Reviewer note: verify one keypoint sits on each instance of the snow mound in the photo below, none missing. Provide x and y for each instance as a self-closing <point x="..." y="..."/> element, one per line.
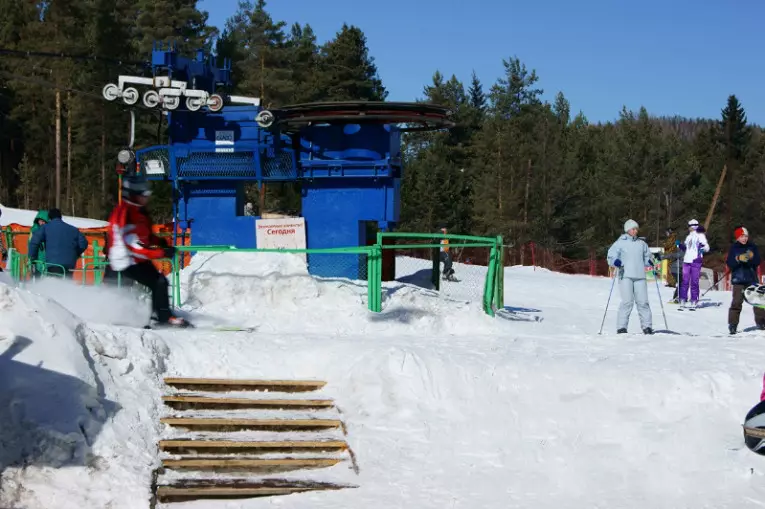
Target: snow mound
<point x="25" y="217"/>
<point x="76" y="407"/>
<point x="276" y="293"/>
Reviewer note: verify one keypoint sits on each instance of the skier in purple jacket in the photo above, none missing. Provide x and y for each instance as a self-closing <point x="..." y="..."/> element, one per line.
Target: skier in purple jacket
<point x="694" y="247"/>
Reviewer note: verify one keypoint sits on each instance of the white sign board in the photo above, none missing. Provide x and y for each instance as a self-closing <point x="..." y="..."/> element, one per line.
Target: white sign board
<point x="283" y="233"/>
<point x="224" y="141"/>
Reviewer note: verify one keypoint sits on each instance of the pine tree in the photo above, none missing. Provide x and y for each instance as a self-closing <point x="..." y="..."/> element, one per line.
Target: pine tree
<point x="260" y="54"/>
<point x="304" y="64"/>
<point x="348" y="72"/>
<point x="735" y="136"/>
<point x="177" y="21"/>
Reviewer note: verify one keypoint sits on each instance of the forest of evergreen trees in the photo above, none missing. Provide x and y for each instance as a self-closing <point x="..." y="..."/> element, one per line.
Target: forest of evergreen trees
<point x="514" y="165"/>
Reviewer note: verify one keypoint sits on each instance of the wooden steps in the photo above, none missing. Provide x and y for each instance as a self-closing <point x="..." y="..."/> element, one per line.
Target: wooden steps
<point x="253" y="458"/>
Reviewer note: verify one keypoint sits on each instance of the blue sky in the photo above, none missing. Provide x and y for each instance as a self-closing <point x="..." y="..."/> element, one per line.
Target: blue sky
<point x="672" y="57"/>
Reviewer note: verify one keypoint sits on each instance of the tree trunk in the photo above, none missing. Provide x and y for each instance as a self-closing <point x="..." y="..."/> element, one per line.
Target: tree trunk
<point x="499" y="171"/>
<point x="262" y="77"/>
<point x="103" y="161"/>
<point x="69" y="194"/>
<point x="58" y="149"/>
<point x="526" y="198"/>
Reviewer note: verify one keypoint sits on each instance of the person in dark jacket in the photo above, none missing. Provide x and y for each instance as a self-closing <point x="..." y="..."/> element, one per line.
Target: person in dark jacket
<point x="64" y="244"/>
<point x="743" y="260"/>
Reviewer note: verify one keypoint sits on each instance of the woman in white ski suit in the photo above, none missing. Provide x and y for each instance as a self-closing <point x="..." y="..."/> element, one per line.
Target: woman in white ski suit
<point x="630" y="255"/>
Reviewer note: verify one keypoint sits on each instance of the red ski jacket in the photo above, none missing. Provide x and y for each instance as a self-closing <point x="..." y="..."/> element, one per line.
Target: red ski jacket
<point x="130" y="239"/>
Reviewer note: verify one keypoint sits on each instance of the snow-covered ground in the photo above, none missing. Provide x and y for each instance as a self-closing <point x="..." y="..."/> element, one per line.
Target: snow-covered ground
<point x="444" y="406"/>
<point x="25" y="217"/>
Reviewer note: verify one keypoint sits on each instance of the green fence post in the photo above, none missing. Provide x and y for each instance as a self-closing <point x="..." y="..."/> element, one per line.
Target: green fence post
<point x="13" y="264"/>
<point x="176" y="279"/>
<point x="499" y="285"/>
<point x="374" y="278"/>
<point x="488" y="289"/>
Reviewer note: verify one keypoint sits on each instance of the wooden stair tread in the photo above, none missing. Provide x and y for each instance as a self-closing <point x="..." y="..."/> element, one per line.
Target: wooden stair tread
<point x="244" y="402"/>
<point x="211" y="461"/>
<point x="277" y="424"/>
<point x="232" y="444"/>
<point x="212" y="491"/>
<point x="244" y="384"/>
<point x="221" y="488"/>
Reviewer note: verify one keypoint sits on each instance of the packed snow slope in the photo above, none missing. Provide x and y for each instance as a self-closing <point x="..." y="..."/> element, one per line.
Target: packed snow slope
<point x="444" y="406"/>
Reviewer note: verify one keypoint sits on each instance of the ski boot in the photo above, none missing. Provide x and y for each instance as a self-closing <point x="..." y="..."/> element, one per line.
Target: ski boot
<point x="731" y="328"/>
<point x="647" y="330"/>
<point x="172" y="322"/>
<point x="621" y="331"/>
<point x="176" y="321"/>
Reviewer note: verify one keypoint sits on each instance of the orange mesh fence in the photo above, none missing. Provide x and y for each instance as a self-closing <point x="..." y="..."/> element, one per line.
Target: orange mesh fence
<point x="528" y="254"/>
<point x="96" y="237"/>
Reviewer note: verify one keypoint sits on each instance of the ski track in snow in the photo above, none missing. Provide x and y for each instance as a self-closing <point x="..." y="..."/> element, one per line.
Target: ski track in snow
<point x="444" y="406"/>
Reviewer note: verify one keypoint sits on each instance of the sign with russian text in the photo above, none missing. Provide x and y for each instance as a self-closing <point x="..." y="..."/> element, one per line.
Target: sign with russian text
<point x="282" y="233"/>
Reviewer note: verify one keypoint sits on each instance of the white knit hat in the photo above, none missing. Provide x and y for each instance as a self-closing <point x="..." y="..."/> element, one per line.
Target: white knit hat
<point x="630" y="224"/>
<point x="693" y="223"/>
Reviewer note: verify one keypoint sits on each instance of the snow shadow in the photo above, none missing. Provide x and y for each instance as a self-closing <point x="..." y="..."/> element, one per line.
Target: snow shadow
<point x="401" y="314"/>
<point x="421" y="278"/>
<point x="47" y="418"/>
<point x="519" y="314"/>
<point x="513" y="309"/>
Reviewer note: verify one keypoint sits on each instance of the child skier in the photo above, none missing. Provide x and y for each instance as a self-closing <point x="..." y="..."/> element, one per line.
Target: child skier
<point x="132" y="246"/>
<point x="694" y="247"/>
<point x="743" y="260"/>
<point x="631" y="256"/>
<point x="446" y="258"/>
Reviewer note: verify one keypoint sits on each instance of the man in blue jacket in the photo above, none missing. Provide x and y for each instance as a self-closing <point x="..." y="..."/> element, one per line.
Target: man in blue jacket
<point x="64" y="244"/>
<point x="743" y="260"/>
<point x="630" y="255"/>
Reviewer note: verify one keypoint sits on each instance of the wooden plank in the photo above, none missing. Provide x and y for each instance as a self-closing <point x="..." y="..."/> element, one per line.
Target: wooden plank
<point x="272" y="424"/>
<point x="230" y="489"/>
<point x="213" y="491"/>
<point x="190" y="402"/>
<point x="227" y="463"/>
<point x="232" y="384"/>
<point x="264" y="447"/>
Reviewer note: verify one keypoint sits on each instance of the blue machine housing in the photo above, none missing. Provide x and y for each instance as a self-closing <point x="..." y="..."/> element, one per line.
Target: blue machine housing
<point x="350" y="175"/>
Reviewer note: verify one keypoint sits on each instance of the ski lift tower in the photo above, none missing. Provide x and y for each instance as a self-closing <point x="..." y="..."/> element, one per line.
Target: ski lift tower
<point x="346" y="155"/>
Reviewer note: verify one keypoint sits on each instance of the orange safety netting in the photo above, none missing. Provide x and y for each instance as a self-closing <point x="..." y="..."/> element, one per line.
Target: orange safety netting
<point x="96" y="237"/>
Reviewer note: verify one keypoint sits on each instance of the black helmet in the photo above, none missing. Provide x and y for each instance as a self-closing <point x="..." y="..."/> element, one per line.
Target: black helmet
<point x="136" y="185"/>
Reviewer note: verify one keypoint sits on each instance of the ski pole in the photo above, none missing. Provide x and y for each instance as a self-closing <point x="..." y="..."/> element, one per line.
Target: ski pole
<point x="656" y="279"/>
<point x="717" y="283"/>
<point x="613" y="282"/>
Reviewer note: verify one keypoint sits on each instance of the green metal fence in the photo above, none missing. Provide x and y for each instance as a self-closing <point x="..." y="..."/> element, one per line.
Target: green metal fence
<point x="492" y="295"/>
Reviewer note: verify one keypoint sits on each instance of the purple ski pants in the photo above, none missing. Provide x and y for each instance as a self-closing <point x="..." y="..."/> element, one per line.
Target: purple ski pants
<point x="691" y="276"/>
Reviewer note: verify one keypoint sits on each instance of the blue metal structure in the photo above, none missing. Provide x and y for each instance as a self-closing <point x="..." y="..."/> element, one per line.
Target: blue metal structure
<point x="347" y="157"/>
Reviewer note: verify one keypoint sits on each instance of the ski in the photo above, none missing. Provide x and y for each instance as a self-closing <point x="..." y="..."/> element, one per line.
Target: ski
<point x="213" y="328"/>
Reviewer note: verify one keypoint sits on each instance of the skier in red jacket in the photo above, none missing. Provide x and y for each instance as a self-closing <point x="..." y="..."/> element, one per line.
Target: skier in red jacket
<point x="132" y="246"/>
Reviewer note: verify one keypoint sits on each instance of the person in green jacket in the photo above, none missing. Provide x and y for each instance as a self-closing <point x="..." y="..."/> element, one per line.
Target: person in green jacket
<point x="40" y="219"/>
